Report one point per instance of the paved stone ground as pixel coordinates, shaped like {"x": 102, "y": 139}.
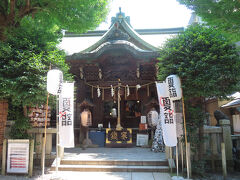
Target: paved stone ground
{"x": 69, "y": 175}
{"x": 66, "y": 175}
{"x": 133, "y": 154}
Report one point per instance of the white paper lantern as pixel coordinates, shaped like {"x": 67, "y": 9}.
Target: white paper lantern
{"x": 174, "y": 87}
{"x": 54, "y": 81}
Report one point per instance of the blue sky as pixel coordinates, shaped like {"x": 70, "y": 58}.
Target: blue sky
{"x": 150, "y": 13}
{"x": 144, "y": 14}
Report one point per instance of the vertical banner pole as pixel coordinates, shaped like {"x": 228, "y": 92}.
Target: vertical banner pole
{"x": 177, "y": 157}
{"x": 181, "y": 144}
{"x": 171, "y": 157}
{"x": 57, "y": 126}
{"x": 185, "y": 129}
{"x": 45, "y": 136}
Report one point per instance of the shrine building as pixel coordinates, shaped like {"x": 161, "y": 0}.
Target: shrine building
{"x": 115, "y": 80}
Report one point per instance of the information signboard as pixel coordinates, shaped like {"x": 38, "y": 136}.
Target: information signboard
{"x": 18, "y": 156}
{"x": 142, "y": 140}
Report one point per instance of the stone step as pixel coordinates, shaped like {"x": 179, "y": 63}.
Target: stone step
{"x": 110, "y": 168}
{"x": 115, "y": 162}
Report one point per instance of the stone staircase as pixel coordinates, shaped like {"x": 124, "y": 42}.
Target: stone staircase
{"x": 112, "y": 160}
{"x": 111, "y": 166}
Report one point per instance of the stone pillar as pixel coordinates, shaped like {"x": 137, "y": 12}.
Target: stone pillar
{"x": 226, "y": 130}
{"x": 49, "y": 144}
{"x": 39, "y": 137}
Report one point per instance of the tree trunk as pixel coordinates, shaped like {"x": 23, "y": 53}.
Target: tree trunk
{"x": 3, "y": 120}
{"x": 201, "y": 132}
{"x": 201, "y": 144}
{"x": 197, "y": 102}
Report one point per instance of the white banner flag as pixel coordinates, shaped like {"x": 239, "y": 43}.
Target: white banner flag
{"x": 66, "y": 131}
{"x": 167, "y": 115}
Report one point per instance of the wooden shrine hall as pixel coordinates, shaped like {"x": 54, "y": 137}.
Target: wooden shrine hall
{"x": 115, "y": 81}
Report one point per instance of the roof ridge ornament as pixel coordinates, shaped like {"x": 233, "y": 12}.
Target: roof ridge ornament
{"x": 119, "y": 17}
{"x": 118, "y": 34}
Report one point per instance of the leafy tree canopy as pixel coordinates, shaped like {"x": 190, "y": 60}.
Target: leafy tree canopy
{"x": 205, "y": 61}
{"x": 208, "y": 65}
{"x": 25, "y": 58}
{"x": 222, "y": 14}
{"x": 74, "y": 15}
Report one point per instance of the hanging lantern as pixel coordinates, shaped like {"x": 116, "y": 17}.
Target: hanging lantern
{"x": 174, "y": 87}
{"x": 98, "y": 91}
{"x": 152, "y": 117}
{"x": 112, "y": 91}
{"x": 86, "y": 118}
{"x": 54, "y": 81}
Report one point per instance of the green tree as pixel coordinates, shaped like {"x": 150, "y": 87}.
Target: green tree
{"x": 224, "y": 15}
{"x": 25, "y": 58}
{"x": 208, "y": 65}
{"x": 29, "y": 33}
{"x": 74, "y": 15}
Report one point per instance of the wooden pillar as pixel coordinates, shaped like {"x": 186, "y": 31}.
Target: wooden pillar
{"x": 31, "y": 151}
